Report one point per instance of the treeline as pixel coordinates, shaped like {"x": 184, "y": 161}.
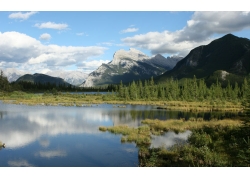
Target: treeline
{"x": 42, "y": 87}
{"x": 184, "y": 90}
{"x": 171, "y": 90}
{"x": 4, "y": 83}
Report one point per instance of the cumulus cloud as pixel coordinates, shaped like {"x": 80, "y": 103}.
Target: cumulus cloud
{"x": 89, "y": 66}
{"x": 205, "y": 24}
{"x": 128, "y": 30}
{"x": 198, "y": 31}
{"x": 23, "y": 51}
{"x": 162, "y": 42}
{"x": 51, "y": 25}
{"x": 45, "y": 36}
{"x": 22, "y": 16}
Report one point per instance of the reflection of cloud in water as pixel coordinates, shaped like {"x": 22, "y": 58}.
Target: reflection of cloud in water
{"x": 19, "y": 163}
{"x": 21, "y": 128}
{"x": 51, "y": 154}
{"x": 169, "y": 139}
{"x": 22, "y": 124}
{"x": 44, "y": 142}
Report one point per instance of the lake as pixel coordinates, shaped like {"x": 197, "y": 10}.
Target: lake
{"x": 57, "y": 136}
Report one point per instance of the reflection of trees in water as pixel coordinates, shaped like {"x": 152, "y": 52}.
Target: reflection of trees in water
{"x": 1, "y": 115}
{"x": 134, "y": 117}
{"x": 208, "y": 115}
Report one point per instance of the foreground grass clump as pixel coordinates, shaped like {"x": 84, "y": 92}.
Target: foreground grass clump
{"x": 216, "y": 143}
{"x": 157, "y": 126}
{"x": 139, "y": 135}
{"x": 225, "y": 144}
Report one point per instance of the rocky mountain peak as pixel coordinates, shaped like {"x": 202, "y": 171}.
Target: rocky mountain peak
{"x": 132, "y": 54}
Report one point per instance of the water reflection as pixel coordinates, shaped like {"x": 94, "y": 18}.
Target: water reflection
{"x": 169, "y": 139}
{"x": 51, "y": 153}
{"x": 19, "y": 163}
{"x": 69, "y": 136}
{"x": 21, "y": 125}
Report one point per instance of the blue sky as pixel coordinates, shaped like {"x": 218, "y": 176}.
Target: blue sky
{"x": 40, "y": 41}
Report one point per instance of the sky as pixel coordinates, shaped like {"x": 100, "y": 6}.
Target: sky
{"x": 37, "y": 40}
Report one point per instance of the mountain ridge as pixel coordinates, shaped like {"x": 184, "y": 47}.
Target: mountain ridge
{"x": 228, "y": 53}
{"x": 128, "y": 66}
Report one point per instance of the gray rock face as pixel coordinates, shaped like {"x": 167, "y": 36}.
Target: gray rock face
{"x": 129, "y": 65}
{"x": 73, "y": 77}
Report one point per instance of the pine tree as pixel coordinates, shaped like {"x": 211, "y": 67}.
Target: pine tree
{"x": 121, "y": 91}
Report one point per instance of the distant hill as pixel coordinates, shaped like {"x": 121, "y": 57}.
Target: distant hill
{"x": 228, "y": 53}
{"x": 127, "y": 66}
{"x": 41, "y": 78}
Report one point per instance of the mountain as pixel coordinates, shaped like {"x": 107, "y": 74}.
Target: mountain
{"x": 73, "y": 77}
{"x": 228, "y": 53}
{"x": 127, "y": 66}
{"x": 12, "y": 74}
{"x": 41, "y": 78}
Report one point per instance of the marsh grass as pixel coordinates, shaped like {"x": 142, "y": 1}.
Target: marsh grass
{"x": 72, "y": 99}
{"x": 182, "y": 125}
{"x": 212, "y": 143}
{"x": 139, "y": 135}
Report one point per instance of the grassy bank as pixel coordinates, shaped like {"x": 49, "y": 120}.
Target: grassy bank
{"x": 68, "y": 99}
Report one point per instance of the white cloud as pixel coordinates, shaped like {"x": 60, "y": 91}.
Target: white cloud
{"x": 128, "y": 30}
{"x": 51, "y": 25}
{"x": 45, "y": 36}
{"x": 89, "y": 66}
{"x": 20, "y": 15}
{"x": 204, "y": 24}
{"x": 198, "y": 31}
{"x": 161, "y": 42}
{"x": 25, "y": 52}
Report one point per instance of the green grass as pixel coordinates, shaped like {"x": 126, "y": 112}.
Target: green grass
{"x": 139, "y": 135}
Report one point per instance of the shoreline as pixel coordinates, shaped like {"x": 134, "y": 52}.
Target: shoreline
{"x": 171, "y": 105}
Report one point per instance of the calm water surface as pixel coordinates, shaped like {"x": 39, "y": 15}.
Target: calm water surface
{"x": 49, "y": 136}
